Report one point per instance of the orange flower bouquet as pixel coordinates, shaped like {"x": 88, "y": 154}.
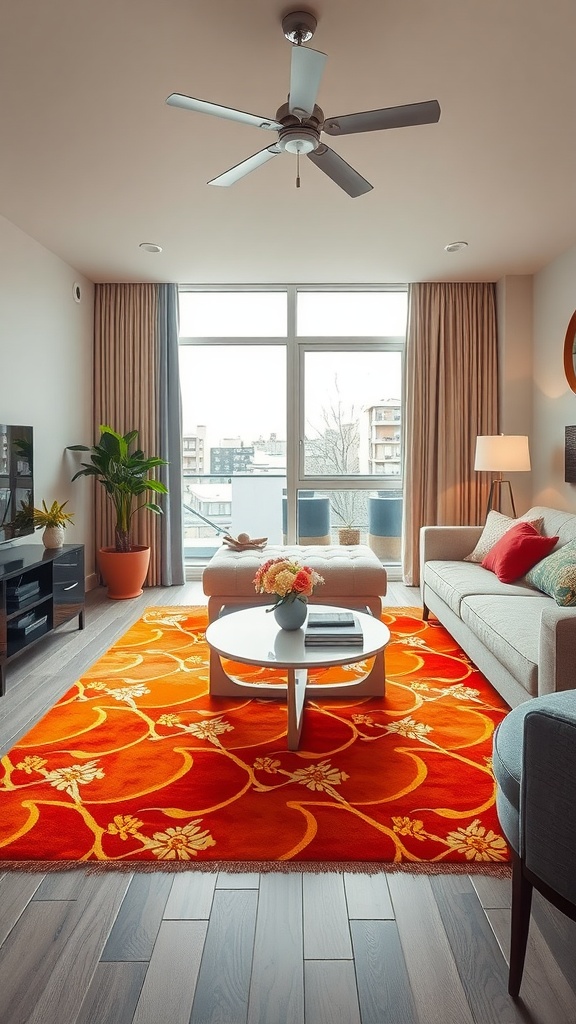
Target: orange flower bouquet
{"x": 287, "y": 580}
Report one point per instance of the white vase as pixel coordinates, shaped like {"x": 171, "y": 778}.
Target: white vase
{"x": 53, "y": 537}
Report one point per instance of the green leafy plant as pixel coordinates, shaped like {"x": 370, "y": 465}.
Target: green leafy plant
{"x": 124, "y": 474}
{"x": 53, "y": 516}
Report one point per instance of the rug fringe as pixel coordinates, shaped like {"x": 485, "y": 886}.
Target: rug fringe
{"x": 260, "y": 867}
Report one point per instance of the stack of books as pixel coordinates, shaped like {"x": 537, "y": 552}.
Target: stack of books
{"x": 333, "y": 629}
{"x": 21, "y": 593}
{"x": 26, "y": 625}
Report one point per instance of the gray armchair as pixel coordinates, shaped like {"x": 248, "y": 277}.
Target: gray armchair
{"x": 534, "y": 758}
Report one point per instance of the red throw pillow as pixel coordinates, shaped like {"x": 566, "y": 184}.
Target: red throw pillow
{"x": 517, "y": 551}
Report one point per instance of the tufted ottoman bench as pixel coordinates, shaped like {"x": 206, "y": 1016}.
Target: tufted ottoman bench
{"x": 353, "y": 576}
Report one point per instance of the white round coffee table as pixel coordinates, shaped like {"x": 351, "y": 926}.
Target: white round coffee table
{"x": 251, "y": 636}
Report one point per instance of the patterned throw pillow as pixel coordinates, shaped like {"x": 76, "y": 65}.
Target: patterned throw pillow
{"x": 556, "y": 575}
{"x": 495, "y": 528}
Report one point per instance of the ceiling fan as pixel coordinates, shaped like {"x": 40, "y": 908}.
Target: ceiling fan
{"x": 300, "y": 122}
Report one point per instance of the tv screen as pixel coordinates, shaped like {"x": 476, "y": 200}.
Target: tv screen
{"x": 16, "y": 482}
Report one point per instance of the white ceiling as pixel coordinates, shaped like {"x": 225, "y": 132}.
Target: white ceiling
{"x": 92, "y": 161}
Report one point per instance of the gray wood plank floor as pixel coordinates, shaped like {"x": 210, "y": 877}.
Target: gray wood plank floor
{"x": 390, "y": 948}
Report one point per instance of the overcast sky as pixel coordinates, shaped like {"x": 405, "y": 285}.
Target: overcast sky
{"x": 241, "y": 392}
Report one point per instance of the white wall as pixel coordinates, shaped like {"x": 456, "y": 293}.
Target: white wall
{"x": 554, "y": 404}
{"x": 46, "y": 342}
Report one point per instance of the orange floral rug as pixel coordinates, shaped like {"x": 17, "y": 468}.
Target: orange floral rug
{"x": 138, "y": 766}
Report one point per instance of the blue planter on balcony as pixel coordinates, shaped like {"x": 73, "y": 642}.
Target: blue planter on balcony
{"x": 313, "y": 519}
{"x": 385, "y": 527}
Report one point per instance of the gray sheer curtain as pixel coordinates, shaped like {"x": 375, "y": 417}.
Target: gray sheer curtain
{"x": 169, "y": 417}
{"x": 451, "y": 397}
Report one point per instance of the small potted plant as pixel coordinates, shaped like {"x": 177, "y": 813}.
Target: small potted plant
{"x": 54, "y": 520}
{"x": 124, "y": 472}
{"x": 348, "y": 507}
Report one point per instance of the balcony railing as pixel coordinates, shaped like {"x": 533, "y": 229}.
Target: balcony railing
{"x": 256, "y": 504}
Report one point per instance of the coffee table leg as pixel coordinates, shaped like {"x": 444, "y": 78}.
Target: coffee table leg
{"x": 296, "y": 696}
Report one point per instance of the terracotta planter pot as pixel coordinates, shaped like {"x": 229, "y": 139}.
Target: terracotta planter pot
{"x": 348, "y": 536}
{"x": 124, "y": 572}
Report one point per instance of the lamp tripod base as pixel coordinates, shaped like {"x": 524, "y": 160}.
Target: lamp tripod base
{"x": 495, "y": 496}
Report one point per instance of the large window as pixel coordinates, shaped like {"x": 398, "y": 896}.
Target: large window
{"x": 292, "y": 408}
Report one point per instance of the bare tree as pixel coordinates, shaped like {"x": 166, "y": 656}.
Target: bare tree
{"x": 334, "y": 451}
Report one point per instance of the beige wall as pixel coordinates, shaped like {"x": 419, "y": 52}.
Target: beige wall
{"x": 46, "y": 343}
{"x": 514, "y": 297}
{"x": 554, "y": 404}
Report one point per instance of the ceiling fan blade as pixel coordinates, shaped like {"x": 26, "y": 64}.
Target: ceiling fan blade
{"x": 388, "y": 117}
{"x": 240, "y": 170}
{"x": 176, "y": 99}
{"x": 305, "y": 75}
{"x": 341, "y": 172}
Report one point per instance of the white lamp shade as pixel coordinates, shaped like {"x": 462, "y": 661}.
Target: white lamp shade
{"x": 502, "y": 453}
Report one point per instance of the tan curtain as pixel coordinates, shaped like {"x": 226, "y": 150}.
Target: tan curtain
{"x": 125, "y": 389}
{"x": 451, "y": 397}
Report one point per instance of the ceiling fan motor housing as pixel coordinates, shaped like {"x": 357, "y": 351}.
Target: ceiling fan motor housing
{"x": 298, "y": 136}
{"x": 299, "y": 139}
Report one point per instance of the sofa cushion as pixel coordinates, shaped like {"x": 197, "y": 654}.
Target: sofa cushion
{"x": 510, "y": 628}
{"x": 517, "y": 551}
{"x": 495, "y": 528}
{"x": 556, "y": 575}
{"x": 454, "y": 580}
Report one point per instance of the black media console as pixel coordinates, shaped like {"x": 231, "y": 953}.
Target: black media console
{"x": 40, "y": 588}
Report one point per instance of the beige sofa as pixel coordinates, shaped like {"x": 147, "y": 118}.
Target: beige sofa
{"x": 522, "y": 641}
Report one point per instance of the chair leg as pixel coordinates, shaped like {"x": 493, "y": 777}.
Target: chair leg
{"x": 521, "y": 905}
{"x": 425, "y": 612}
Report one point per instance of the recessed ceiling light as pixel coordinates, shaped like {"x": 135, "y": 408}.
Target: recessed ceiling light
{"x": 455, "y": 246}
{"x": 150, "y": 247}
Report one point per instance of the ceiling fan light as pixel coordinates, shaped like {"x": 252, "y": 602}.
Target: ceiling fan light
{"x": 300, "y": 146}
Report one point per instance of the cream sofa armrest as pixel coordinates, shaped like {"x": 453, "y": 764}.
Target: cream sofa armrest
{"x": 451, "y": 543}
{"x": 447, "y": 543}
{"x": 557, "y": 649}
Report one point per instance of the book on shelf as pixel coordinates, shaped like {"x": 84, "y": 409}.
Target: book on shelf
{"x": 18, "y": 591}
{"x": 23, "y": 628}
{"x": 14, "y": 603}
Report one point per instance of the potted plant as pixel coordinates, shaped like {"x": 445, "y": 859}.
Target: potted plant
{"x": 54, "y": 520}
{"x": 349, "y": 507}
{"x": 124, "y": 472}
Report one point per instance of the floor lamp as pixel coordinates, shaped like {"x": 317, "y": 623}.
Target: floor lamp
{"x": 502, "y": 453}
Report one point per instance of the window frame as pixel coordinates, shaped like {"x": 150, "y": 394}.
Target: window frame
{"x": 296, "y": 346}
